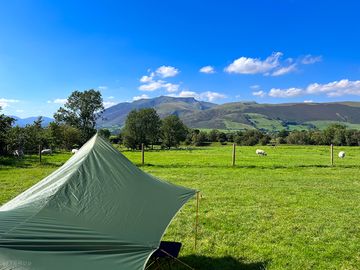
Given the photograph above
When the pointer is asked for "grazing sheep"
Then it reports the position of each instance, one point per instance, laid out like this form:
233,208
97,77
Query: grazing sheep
341,154
260,152
74,151
46,152
18,153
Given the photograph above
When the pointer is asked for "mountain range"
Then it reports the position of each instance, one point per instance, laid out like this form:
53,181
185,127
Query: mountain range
240,115
22,122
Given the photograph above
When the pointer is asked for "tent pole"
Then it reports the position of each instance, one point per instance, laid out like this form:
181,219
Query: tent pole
197,217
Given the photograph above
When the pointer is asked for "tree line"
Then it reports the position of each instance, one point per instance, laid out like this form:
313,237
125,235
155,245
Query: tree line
75,123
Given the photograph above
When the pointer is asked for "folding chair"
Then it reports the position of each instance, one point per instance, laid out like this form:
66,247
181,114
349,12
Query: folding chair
166,254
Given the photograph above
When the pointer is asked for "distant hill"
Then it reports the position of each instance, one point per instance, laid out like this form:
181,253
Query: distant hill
241,115
115,116
22,122
273,117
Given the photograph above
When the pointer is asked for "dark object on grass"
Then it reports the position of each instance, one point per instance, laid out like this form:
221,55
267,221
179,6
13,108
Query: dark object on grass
166,254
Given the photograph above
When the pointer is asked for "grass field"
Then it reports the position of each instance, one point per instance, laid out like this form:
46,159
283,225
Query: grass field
289,210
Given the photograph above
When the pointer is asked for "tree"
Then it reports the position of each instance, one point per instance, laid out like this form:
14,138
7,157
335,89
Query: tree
173,131
142,126
5,126
81,111
105,133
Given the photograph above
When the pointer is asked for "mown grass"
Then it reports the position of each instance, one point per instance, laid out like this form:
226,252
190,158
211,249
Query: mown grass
289,210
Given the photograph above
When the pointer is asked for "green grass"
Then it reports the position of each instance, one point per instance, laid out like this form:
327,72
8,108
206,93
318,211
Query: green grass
289,210
262,122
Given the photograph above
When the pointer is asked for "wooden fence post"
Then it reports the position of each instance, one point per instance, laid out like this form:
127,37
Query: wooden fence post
142,154
233,154
332,154
40,149
197,217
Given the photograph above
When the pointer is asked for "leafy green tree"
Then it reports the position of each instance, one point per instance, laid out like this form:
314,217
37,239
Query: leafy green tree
173,131
105,133
213,135
81,111
5,126
142,126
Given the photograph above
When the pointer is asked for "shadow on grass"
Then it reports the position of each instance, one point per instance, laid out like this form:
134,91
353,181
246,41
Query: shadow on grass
209,263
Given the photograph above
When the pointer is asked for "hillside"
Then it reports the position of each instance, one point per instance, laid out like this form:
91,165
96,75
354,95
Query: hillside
276,116
115,116
22,122
241,115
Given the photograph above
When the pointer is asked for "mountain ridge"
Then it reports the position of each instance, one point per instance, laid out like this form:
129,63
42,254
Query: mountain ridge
241,115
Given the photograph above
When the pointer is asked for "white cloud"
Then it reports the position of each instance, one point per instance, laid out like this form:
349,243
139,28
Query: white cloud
111,97
211,96
143,96
167,71
103,87
207,69
60,101
284,70
285,93
310,59
335,88
308,101
19,111
108,104
155,85
205,96
260,93
171,88
6,102
152,86
272,65
146,79
247,65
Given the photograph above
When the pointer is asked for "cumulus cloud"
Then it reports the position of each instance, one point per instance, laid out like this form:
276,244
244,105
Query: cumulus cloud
260,93
205,96
247,65
170,87
4,102
159,84
60,101
284,70
103,87
308,101
167,71
310,59
207,70
146,78
143,96
332,89
335,88
151,82
285,93
152,86
273,65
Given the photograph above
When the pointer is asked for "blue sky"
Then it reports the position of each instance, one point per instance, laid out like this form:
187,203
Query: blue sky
219,51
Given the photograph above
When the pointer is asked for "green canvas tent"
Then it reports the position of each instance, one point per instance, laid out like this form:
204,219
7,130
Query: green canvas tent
98,211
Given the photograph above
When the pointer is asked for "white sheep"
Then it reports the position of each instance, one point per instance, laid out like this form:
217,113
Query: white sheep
18,153
260,152
341,154
46,152
74,151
